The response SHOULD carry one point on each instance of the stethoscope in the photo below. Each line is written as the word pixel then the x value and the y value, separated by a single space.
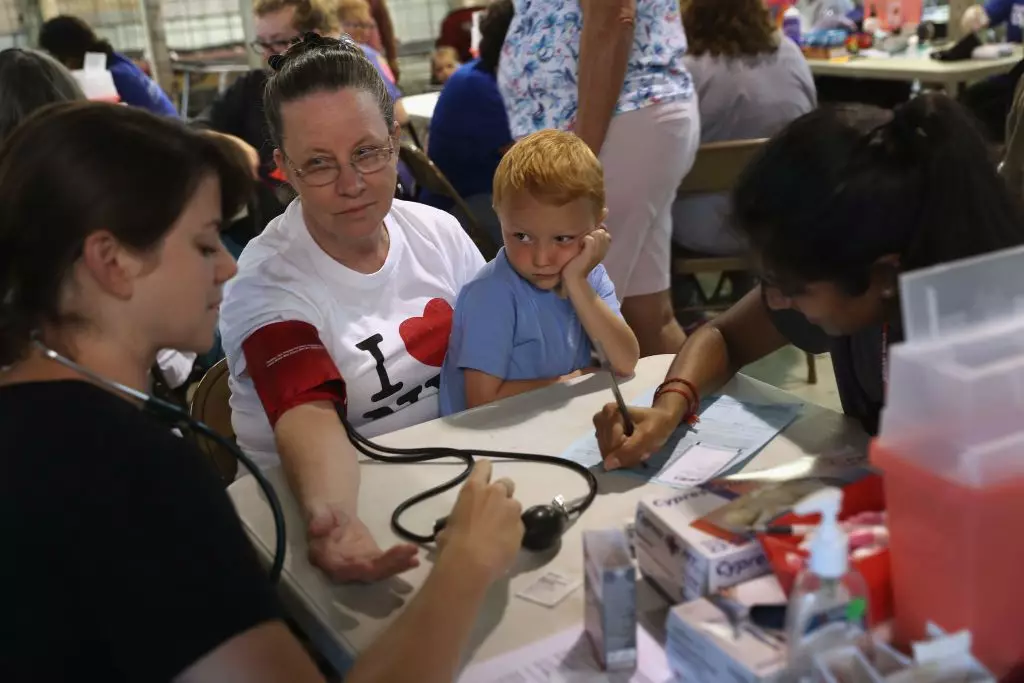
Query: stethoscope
pixel 544 524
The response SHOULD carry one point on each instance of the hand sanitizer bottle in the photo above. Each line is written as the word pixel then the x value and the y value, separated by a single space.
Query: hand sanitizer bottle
pixel 829 602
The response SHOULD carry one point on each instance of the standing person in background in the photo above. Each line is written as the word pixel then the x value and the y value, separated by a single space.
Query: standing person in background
pixel 612 71
pixel 68 39
pixel 750 83
pixel 469 129
pixel 383 39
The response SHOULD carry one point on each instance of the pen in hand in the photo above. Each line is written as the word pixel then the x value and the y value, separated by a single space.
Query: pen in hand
pixel 627 420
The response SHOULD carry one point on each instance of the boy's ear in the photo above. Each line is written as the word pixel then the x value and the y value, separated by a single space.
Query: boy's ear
pixel 604 217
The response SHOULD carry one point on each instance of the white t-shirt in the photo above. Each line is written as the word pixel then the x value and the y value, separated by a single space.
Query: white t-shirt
pixel 387 332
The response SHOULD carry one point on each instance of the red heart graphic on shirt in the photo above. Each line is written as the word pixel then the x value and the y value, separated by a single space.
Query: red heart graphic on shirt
pixel 426 337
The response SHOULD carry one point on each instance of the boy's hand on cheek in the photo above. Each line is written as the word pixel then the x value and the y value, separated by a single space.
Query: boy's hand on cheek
pixel 592 252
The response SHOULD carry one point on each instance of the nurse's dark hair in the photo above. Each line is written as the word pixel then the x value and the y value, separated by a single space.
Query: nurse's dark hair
pixel 493 29
pixel 841 187
pixel 317 64
pixel 30 80
pixel 73 169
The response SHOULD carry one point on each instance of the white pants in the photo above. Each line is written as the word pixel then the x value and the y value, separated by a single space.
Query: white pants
pixel 646 154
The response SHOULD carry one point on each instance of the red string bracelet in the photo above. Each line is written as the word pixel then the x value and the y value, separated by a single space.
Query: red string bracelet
pixel 692 397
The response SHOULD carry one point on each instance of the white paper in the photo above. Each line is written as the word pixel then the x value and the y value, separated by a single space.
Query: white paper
pixel 725 423
pixel 550 588
pixel 697 464
pixel 568 657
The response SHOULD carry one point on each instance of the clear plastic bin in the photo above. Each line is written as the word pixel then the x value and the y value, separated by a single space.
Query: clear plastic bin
pixel 951 446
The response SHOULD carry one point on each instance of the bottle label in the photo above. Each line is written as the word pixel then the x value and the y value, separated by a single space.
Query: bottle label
pixel 852 613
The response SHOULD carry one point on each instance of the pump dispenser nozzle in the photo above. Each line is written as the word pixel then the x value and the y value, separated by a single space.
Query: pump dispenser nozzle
pixel 829 544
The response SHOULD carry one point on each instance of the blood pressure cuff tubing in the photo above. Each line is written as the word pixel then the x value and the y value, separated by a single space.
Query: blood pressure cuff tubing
pixel 290 366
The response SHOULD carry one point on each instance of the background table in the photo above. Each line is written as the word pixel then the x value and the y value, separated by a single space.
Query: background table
pixel 341 620
pixel 952 75
pixel 420 109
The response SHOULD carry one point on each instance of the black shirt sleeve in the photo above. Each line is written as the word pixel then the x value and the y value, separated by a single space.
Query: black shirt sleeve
pixel 177 551
pixel 164 569
pixel 227 113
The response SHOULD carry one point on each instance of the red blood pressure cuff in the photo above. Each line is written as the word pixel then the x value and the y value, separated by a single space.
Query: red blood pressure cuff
pixel 290 366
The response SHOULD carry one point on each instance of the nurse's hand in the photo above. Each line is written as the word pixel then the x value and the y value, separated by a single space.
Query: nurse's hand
pixel 485 528
pixel 342 547
pixel 651 429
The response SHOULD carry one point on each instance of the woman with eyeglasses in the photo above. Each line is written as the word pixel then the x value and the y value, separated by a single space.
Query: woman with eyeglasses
pixel 835 207
pixel 238 111
pixel 343 302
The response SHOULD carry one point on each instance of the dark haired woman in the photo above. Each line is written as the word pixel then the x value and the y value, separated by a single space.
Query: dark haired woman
pixel 835 208
pixel 69 38
pixel 345 298
pixel 123 555
pixel 469 128
pixel 750 83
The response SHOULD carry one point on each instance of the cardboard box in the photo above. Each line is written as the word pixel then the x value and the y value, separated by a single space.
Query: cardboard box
pixel 684 562
pixel 610 590
pixel 703 646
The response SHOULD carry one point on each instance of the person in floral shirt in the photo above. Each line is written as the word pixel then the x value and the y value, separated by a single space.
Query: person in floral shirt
pixel 612 71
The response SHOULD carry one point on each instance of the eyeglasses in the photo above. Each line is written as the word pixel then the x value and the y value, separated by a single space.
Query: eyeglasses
pixel 275 47
pixel 320 171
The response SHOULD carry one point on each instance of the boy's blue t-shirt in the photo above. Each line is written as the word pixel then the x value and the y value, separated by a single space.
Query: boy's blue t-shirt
pixel 507 328
pixel 136 88
pixel 1009 11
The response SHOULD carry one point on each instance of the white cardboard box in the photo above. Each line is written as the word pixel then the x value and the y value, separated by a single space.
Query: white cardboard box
pixel 684 562
pixel 703 647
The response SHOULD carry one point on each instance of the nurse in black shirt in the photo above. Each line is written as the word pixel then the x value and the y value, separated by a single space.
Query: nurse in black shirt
pixel 122 557
pixel 834 208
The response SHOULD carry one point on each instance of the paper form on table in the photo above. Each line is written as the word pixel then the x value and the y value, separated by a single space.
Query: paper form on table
pixel 568 657
pixel 725 424
pixel 697 464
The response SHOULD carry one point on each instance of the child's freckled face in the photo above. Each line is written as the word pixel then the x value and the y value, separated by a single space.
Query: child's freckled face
pixel 541 238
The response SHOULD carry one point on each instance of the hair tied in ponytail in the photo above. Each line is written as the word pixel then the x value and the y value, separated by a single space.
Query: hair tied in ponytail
pixel 275 62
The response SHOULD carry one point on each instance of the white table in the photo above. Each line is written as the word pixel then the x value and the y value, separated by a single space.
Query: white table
pixel 341 620
pixel 951 75
pixel 420 109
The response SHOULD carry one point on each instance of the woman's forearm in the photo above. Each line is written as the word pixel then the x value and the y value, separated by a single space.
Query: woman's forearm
pixel 432 632
pixel 717 351
pixel 704 361
pixel 606 40
pixel 319 461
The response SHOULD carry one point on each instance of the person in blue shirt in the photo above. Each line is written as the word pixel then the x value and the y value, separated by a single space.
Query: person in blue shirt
pixel 994 13
pixel 68 39
pixel 533 315
pixel 469 129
